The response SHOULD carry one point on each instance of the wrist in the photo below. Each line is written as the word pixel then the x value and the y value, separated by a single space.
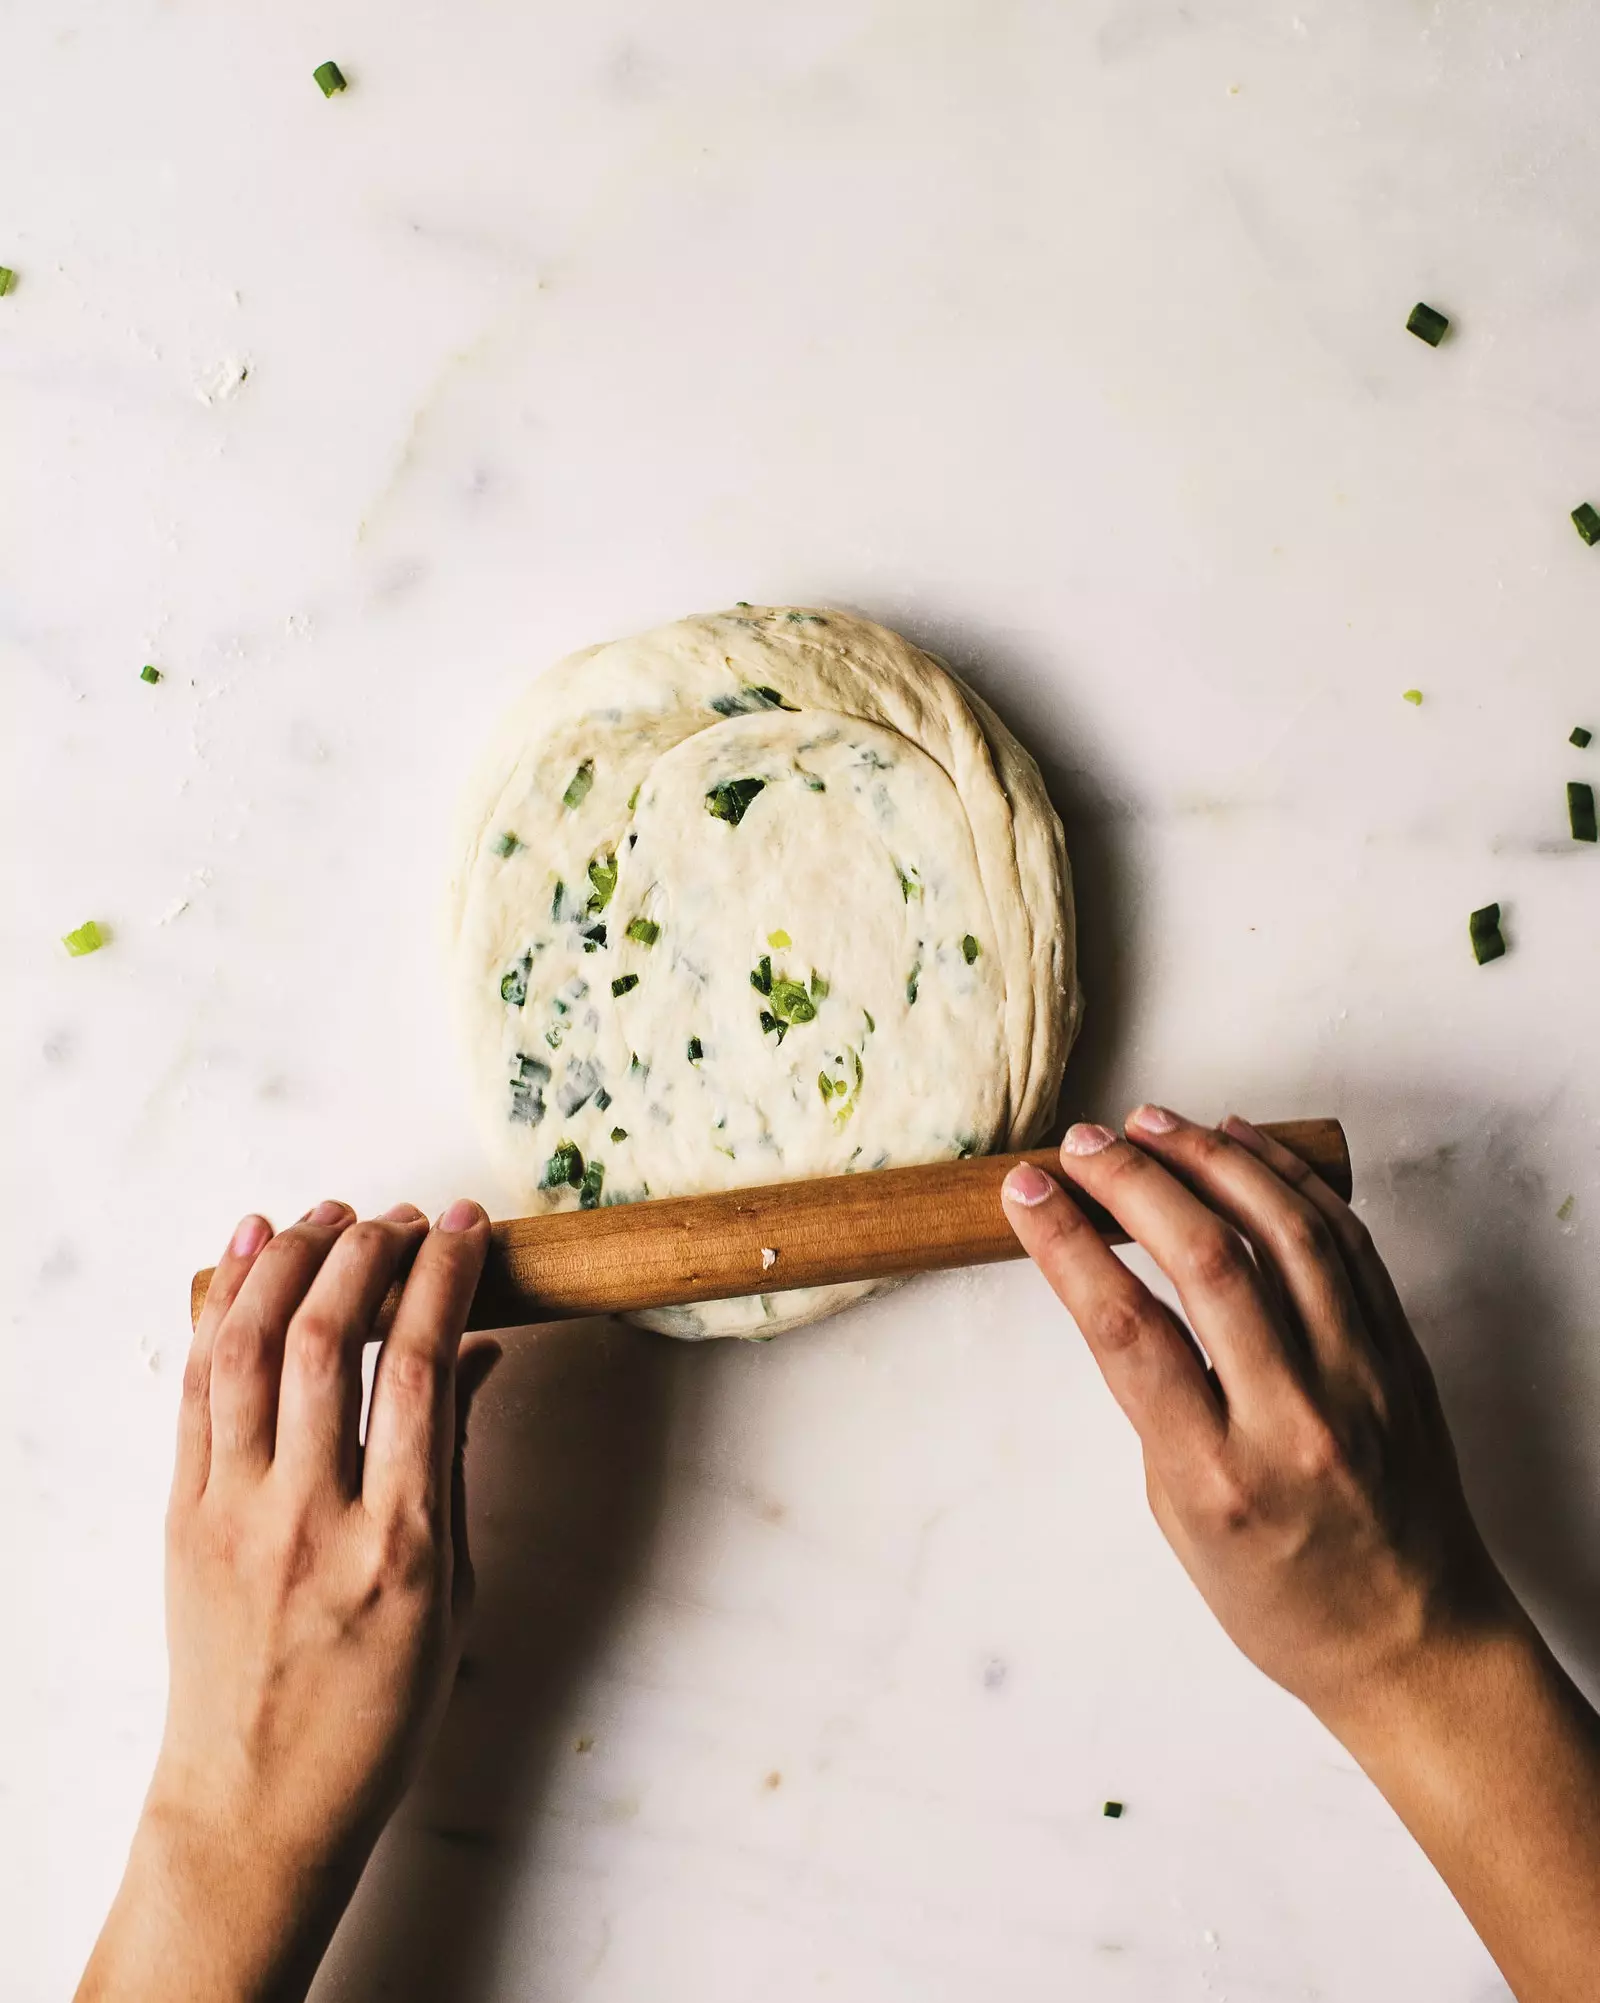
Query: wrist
pixel 208 1912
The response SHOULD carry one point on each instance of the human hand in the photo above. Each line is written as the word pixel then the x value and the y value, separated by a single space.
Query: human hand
pixel 1306 1482
pixel 316 1594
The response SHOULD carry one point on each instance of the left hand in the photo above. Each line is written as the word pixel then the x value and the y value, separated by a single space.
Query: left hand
pixel 316 1594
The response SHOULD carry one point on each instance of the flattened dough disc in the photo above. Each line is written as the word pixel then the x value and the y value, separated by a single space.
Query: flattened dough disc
pixel 762 894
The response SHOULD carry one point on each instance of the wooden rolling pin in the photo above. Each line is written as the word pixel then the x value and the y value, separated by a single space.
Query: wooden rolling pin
pixel 675 1250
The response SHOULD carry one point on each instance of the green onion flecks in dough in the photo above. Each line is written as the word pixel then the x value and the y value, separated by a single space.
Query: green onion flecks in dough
pixel 779 832
pixel 731 800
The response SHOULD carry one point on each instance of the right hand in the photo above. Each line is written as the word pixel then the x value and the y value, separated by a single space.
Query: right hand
pixel 1307 1483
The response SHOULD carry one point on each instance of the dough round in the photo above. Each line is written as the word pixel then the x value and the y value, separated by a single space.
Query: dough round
pixel 759 895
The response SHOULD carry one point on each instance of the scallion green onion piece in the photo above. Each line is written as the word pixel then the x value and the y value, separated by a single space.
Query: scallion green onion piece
pixel 1586 520
pixel 1111 1808
pixel 780 939
pixel 970 949
pixel 643 931
pixel 819 987
pixel 1483 927
pixel 514 987
pixel 329 77
pixel 761 975
pixel 149 674
pixel 770 1025
pixel 1414 697
pixel 589 1186
pixel 1581 737
pixel 8 278
pixel 825 1086
pixel 731 800
pixel 696 1050
pixel 85 938
pixel 603 875
pixel 507 844
pixel 619 1133
pixel 633 797
pixel 578 785
pixel 911 985
pixel 791 1003
pixel 624 983
pixel 1580 811
pixel 1565 1208
pixel 1427 324
pixel 565 1167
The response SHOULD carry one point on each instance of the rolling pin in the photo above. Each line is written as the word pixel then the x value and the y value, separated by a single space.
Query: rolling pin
pixel 877 1224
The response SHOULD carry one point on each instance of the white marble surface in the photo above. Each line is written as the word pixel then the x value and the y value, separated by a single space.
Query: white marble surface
pixel 1070 339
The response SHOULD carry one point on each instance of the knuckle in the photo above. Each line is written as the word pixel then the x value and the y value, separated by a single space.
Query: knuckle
pixel 1227 1501
pixel 239 1347
pixel 369 1239
pixel 1120 1322
pixel 418 1375
pixel 1306 1235
pixel 1313 1451
pixel 1215 1259
pixel 407 1552
pixel 317 1344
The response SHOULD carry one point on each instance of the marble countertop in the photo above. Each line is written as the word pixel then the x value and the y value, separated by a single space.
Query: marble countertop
pixel 1071 341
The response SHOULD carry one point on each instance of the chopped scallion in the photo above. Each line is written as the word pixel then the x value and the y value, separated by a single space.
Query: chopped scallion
pixel 791 1003
pixel 911 985
pixel 85 938
pixel 633 797
pixel 731 800
pixel 643 931
pixel 1414 697
pixel 780 939
pixel 589 1185
pixel 593 937
pixel 1483 927
pixel 696 1050
pixel 8 279
pixel 970 949
pixel 329 78
pixel 819 987
pixel 624 984
pixel 770 1025
pixel 578 785
pixel 1586 520
pixel 1111 1808
pixel 1580 811
pixel 603 875
pixel 619 1133
pixel 565 1167
pixel 514 986
pixel 602 1100
pixel 150 674
pixel 508 844
pixel 761 975
pixel 1581 737
pixel 1428 324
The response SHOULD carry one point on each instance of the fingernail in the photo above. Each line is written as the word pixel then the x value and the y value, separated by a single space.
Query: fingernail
pixel 1153 1120
pixel 461 1216
pixel 401 1213
pixel 249 1235
pixel 326 1212
pixel 1027 1185
pixel 1086 1139
pixel 1234 1125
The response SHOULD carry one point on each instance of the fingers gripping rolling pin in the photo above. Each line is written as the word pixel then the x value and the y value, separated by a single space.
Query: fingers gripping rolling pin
pixel 875 1225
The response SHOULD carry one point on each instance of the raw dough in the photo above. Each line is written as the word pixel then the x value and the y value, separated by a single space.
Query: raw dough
pixel 759 895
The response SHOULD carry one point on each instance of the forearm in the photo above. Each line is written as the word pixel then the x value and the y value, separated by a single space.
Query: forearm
pixel 197 1921
pixel 1491 1758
